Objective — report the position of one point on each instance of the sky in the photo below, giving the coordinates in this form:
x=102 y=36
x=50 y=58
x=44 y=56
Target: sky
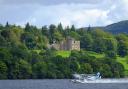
x=81 y=13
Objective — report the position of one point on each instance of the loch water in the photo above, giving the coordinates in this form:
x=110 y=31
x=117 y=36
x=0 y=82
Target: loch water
x=57 y=84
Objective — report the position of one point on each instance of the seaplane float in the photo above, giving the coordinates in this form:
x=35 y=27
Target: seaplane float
x=85 y=78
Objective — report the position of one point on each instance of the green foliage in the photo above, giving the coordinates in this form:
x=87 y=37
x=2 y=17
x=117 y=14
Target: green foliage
x=3 y=42
x=5 y=34
x=58 y=37
x=45 y=31
x=3 y=70
x=122 y=45
x=86 y=68
x=73 y=28
x=60 y=28
x=24 y=52
x=74 y=35
x=5 y=55
x=97 y=55
x=27 y=27
x=25 y=70
x=63 y=53
x=39 y=70
x=86 y=42
x=123 y=61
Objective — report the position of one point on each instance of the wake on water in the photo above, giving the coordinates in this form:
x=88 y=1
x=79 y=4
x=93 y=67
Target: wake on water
x=108 y=81
x=96 y=78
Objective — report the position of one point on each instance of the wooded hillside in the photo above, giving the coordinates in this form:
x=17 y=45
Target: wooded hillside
x=24 y=52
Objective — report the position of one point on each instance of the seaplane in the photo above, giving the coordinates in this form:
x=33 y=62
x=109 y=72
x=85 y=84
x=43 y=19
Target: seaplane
x=84 y=78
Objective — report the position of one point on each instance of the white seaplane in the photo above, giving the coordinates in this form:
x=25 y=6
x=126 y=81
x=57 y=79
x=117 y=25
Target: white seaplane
x=84 y=78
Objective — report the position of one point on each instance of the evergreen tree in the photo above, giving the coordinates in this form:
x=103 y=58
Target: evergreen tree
x=27 y=27
x=60 y=28
x=73 y=28
x=7 y=25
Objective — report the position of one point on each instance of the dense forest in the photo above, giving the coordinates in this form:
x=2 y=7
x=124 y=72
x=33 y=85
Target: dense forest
x=24 y=53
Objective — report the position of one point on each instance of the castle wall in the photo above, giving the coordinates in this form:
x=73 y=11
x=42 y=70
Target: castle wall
x=75 y=45
x=68 y=44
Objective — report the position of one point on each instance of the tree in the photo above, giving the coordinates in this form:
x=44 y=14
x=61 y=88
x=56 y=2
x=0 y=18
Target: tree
x=81 y=31
x=5 y=34
x=111 y=54
x=100 y=38
x=45 y=31
x=116 y=74
x=123 y=48
x=58 y=37
x=52 y=30
x=52 y=70
x=5 y=55
x=122 y=44
x=7 y=25
x=75 y=66
x=19 y=69
x=3 y=70
x=25 y=70
x=29 y=40
x=111 y=44
x=99 y=45
x=73 y=28
x=89 y=29
x=86 y=68
x=74 y=35
x=106 y=71
x=86 y=42
x=27 y=27
x=20 y=52
x=1 y=27
x=40 y=70
x=111 y=47
x=3 y=42
x=60 y=28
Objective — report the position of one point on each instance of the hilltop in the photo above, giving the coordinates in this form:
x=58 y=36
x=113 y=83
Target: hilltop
x=115 y=28
x=119 y=27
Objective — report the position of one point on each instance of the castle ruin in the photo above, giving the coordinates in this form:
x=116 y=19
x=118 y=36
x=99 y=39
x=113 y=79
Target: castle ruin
x=68 y=44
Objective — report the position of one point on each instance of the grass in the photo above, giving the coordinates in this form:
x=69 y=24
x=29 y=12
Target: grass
x=122 y=60
x=67 y=54
x=97 y=55
x=63 y=53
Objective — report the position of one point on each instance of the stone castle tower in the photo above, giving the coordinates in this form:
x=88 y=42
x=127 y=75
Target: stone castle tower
x=68 y=44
